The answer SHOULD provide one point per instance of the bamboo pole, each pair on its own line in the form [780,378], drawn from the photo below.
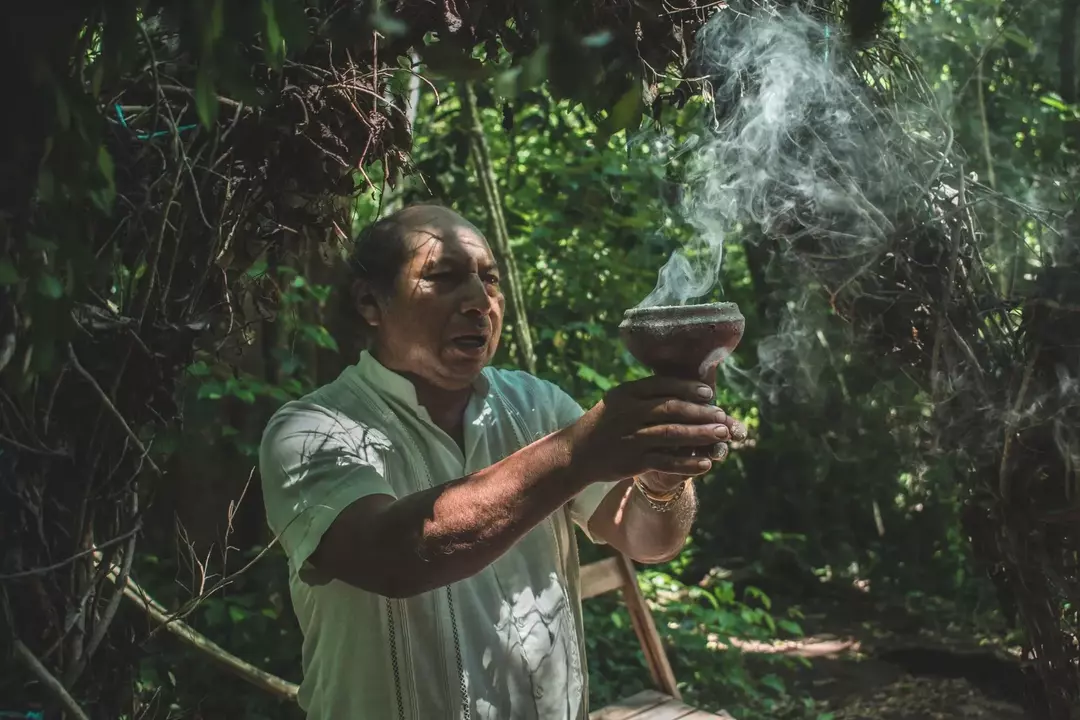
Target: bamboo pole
[499,236]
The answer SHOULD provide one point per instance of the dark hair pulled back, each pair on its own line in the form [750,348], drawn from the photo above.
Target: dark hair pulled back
[378,254]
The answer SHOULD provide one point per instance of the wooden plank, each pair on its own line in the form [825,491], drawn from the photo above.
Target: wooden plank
[600,577]
[645,629]
[630,707]
[702,715]
[671,710]
[652,705]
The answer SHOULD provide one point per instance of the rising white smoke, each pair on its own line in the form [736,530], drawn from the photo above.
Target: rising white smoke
[795,148]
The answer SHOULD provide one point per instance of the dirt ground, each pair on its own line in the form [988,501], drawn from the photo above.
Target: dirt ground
[874,663]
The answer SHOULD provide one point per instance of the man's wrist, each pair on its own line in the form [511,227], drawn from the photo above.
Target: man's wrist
[661,484]
[661,501]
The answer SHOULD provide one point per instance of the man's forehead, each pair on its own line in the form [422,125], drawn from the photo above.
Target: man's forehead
[434,242]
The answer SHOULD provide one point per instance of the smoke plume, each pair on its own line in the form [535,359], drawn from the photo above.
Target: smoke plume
[794,148]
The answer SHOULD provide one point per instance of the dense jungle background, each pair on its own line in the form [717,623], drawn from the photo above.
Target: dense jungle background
[179,180]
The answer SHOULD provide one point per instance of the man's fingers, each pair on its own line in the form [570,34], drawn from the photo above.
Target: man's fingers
[738,430]
[659,386]
[678,464]
[678,411]
[674,435]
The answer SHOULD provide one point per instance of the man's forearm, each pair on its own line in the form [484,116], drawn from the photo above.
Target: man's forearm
[435,537]
[627,521]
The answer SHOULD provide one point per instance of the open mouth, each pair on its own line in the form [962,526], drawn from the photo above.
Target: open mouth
[470,342]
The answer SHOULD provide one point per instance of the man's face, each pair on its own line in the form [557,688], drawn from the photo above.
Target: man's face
[443,320]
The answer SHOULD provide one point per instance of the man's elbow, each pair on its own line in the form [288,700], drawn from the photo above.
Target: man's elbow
[403,588]
[396,591]
[382,583]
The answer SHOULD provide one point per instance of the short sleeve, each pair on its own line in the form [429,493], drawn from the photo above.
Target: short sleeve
[583,505]
[314,462]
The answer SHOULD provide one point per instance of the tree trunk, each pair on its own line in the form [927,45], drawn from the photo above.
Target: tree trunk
[498,235]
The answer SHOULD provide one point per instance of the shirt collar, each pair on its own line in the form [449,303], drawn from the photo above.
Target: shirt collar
[389,383]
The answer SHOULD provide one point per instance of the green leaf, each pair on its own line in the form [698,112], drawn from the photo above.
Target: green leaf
[534,69]
[199,369]
[234,77]
[49,286]
[773,683]
[598,39]
[754,592]
[206,102]
[790,626]
[387,24]
[8,274]
[257,269]
[453,63]
[280,395]
[321,337]
[104,194]
[292,20]
[63,107]
[1019,38]
[105,166]
[587,374]
[274,43]
[245,395]
[97,76]
[626,114]
[46,188]
[505,83]
[1054,100]
[215,613]
[211,391]
[215,27]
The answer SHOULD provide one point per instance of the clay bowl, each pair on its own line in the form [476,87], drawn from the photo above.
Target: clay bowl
[684,341]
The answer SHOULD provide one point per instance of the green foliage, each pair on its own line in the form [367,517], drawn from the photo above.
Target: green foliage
[703,627]
[838,485]
[300,333]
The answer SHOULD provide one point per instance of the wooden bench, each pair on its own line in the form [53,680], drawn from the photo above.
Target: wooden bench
[665,702]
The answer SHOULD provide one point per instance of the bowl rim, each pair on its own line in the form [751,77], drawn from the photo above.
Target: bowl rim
[686,314]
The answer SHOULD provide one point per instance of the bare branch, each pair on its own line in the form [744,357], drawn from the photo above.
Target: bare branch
[77,556]
[234,665]
[58,691]
[112,409]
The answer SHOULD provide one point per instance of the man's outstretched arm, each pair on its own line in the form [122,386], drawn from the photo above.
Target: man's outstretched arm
[403,547]
[406,546]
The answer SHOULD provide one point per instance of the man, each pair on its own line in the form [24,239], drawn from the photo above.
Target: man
[426,501]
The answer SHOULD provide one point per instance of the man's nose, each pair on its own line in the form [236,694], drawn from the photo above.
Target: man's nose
[476,296]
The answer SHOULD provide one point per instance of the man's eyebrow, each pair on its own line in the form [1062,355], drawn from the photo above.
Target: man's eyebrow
[451,261]
[438,263]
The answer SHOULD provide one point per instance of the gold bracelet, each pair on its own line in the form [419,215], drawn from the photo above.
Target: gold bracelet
[660,503]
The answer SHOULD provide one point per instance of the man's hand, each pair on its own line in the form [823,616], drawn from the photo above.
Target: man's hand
[639,426]
[662,483]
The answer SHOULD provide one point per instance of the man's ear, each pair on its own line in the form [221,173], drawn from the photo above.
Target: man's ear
[365,302]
